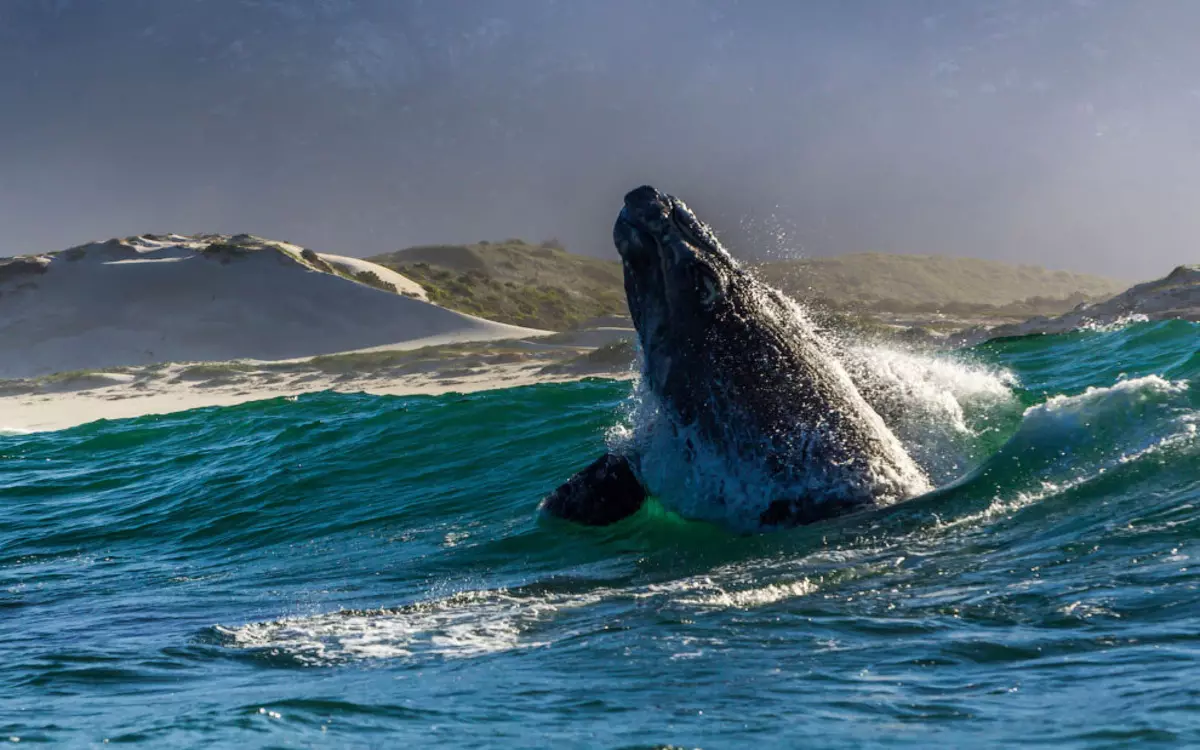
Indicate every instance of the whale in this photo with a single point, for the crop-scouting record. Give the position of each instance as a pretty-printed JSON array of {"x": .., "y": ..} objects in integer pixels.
[{"x": 753, "y": 422}]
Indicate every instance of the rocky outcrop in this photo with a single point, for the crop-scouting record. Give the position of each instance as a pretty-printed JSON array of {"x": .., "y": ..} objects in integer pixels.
[{"x": 1173, "y": 297}]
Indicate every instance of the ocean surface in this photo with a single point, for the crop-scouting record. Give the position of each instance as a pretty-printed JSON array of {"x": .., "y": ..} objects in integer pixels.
[{"x": 360, "y": 571}]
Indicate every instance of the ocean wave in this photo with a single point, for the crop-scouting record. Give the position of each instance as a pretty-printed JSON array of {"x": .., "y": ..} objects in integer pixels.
[
  {"x": 1090, "y": 431},
  {"x": 378, "y": 568}
]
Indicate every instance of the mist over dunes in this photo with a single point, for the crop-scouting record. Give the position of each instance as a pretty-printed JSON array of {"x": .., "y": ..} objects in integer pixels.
[
  {"x": 929, "y": 282},
  {"x": 546, "y": 287},
  {"x": 1025, "y": 131}
]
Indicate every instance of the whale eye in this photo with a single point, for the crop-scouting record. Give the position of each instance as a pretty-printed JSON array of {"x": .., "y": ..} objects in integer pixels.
[{"x": 709, "y": 288}]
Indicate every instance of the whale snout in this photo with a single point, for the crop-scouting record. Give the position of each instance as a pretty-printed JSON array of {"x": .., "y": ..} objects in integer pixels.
[
  {"x": 640, "y": 221},
  {"x": 643, "y": 196},
  {"x": 647, "y": 208}
]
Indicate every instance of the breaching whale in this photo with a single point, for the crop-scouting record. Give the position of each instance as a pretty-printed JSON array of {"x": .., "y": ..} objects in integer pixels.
[{"x": 757, "y": 424}]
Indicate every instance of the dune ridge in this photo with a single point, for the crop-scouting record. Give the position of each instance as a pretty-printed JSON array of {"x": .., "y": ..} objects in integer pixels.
[{"x": 184, "y": 298}]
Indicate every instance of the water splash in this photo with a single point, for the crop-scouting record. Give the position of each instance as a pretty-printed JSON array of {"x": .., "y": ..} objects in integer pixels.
[{"x": 940, "y": 406}]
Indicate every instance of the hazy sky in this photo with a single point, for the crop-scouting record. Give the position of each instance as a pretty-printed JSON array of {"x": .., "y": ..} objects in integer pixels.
[{"x": 1065, "y": 133}]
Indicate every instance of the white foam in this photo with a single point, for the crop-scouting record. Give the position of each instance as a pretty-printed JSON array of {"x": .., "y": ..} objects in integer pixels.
[
  {"x": 1001, "y": 507},
  {"x": 1115, "y": 324},
  {"x": 1099, "y": 401},
  {"x": 720, "y": 597},
  {"x": 471, "y": 623},
  {"x": 927, "y": 399},
  {"x": 476, "y": 623}
]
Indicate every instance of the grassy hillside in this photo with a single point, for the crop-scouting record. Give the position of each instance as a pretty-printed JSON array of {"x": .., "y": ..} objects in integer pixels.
[
  {"x": 544, "y": 286},
  {"x": 541, "y": 286}
]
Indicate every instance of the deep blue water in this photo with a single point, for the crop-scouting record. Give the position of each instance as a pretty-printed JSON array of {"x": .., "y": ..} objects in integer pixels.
[{"x": 359, "y": 571}]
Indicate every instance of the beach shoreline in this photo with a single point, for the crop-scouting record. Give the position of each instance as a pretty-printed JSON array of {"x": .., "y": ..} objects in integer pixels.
[{"x": 72, "y": 399}]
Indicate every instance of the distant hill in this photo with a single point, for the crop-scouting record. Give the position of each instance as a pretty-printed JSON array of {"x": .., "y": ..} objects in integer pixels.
[
  {"x": 544, "y": 286},
  {"x": 1173, "y": 297},
  {"x": 909, "y": 283}
]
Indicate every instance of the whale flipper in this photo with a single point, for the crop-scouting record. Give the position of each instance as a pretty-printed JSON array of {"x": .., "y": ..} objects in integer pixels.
[{"x": 605, "y": 492}]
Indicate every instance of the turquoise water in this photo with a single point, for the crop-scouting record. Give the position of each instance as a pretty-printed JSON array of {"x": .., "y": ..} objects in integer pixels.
[{"x": 358, "y": 571}]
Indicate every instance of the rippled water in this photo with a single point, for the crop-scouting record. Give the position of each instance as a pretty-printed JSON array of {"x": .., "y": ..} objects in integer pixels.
[{"x": 366, "y": 571}]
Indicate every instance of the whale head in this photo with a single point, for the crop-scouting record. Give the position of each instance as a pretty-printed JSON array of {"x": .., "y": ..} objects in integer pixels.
[{"x": 687, "y": 296}]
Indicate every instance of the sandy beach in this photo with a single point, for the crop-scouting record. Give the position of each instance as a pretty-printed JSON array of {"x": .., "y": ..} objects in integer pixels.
[{"x": 58, "y": 402}]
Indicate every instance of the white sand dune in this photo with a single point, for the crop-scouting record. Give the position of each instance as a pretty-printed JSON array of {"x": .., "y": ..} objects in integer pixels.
[
  {"x": 174, "y": 298},
  {"x": 354, "y": 266}
]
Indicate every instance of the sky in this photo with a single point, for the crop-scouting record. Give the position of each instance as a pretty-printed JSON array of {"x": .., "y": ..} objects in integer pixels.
[{"x": 1064, "y": 133}]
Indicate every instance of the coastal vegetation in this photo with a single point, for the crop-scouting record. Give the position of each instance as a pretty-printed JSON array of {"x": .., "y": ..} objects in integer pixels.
[{"x": 545, "y": 286}]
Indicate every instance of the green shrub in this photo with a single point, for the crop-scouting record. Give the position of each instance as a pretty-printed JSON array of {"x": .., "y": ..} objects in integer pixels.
[{"x": 370, "y": 278}]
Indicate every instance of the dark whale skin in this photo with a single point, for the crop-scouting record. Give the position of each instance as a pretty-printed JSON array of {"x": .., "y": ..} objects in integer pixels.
[{"x": 605, "y": 492}]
